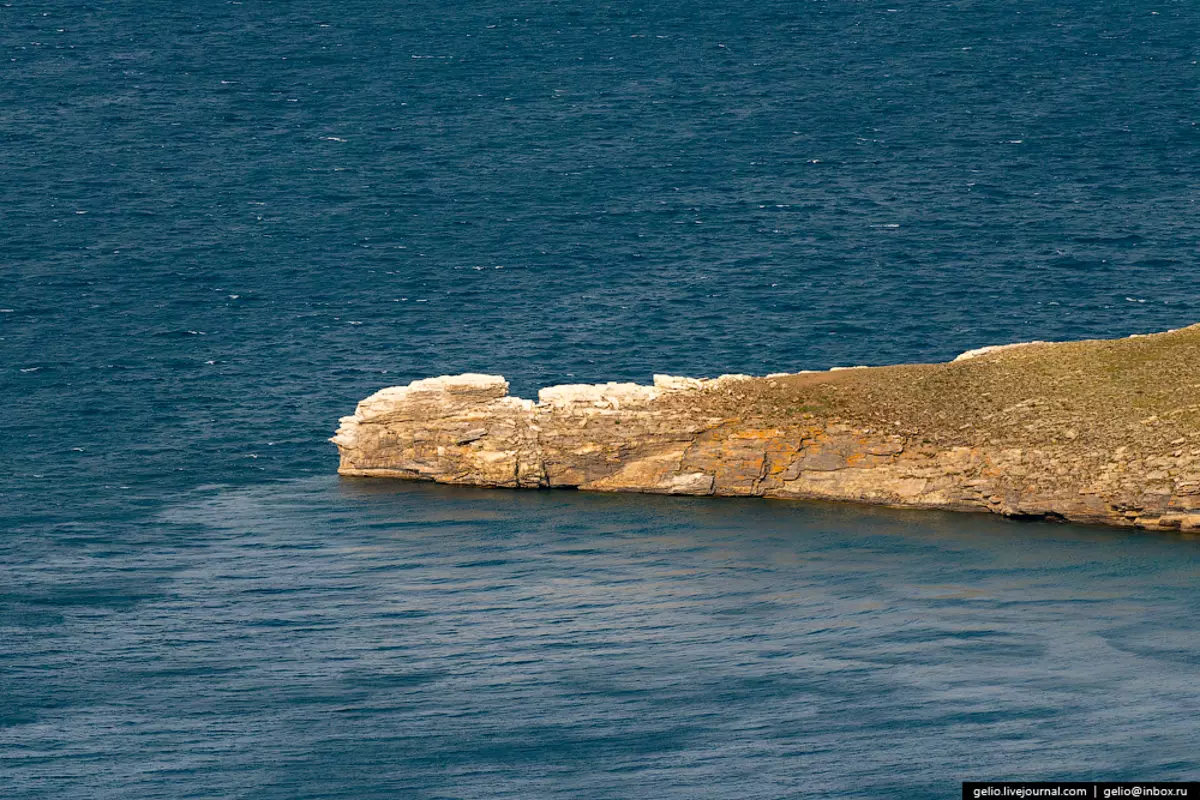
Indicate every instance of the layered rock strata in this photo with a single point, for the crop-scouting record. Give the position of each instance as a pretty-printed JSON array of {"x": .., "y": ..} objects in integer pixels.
[{"x": 1099, "y": 432}]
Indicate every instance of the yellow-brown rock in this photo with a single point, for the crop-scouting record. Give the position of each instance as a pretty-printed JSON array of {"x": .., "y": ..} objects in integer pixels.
[{"x": 1097, "y": 431}]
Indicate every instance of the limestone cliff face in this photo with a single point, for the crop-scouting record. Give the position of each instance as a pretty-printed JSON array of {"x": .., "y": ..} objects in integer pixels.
[{"x": 737, "y": 435}]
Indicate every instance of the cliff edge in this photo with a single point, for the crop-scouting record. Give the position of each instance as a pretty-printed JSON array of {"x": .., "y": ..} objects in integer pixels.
[{"x": 1095, "y": 431}]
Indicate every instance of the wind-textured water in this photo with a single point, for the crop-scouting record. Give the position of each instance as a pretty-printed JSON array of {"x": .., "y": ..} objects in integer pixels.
[{"x": 222, "y": 224}]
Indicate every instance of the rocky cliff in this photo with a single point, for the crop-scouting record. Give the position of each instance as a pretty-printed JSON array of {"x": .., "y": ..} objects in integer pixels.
[{"x": 1097, "y": 431}]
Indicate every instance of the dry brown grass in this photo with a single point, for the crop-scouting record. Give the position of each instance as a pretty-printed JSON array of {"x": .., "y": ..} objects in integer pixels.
[{"x": 1142, "y": 393}]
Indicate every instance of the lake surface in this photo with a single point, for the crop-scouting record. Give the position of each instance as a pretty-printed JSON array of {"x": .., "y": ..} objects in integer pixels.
[{"x": 221, "y": 225}]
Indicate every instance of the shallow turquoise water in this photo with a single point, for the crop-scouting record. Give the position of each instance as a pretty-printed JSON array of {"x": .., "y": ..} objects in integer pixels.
[{"x": 225, "y": 224}]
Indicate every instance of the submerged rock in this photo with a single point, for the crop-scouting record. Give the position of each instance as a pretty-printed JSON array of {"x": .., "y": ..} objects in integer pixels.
[{"x": 1100, "y": 431}]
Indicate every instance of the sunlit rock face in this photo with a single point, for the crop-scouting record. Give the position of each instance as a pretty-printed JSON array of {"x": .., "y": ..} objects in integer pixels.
[{"x": 839, "y": 435}]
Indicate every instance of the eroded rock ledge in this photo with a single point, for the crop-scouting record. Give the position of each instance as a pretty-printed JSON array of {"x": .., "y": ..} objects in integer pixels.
[{"x": 1099, "y": 431}]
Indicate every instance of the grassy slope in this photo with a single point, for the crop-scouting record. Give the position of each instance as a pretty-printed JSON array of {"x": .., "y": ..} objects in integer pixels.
[{"x": 1142, "y": 393}]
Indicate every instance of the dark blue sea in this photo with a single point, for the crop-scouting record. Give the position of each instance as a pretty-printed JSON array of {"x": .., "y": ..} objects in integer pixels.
[{"x": 222, "y": 224}]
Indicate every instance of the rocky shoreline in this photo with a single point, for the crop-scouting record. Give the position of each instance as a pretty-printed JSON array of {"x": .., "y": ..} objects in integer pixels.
[{"x": 1104, "y": 431}]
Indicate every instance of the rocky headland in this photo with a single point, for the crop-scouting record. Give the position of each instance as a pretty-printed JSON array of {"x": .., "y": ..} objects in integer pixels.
[{"x": 1095, "y": 431}]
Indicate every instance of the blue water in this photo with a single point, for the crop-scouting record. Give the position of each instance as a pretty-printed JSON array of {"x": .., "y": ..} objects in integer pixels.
[{"x": 223, "y": 224}]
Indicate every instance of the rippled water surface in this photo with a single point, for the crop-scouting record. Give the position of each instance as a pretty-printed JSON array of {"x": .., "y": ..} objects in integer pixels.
[
  {"x": 325, "y": 639},
  {"x": 223, "y": 224}
]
